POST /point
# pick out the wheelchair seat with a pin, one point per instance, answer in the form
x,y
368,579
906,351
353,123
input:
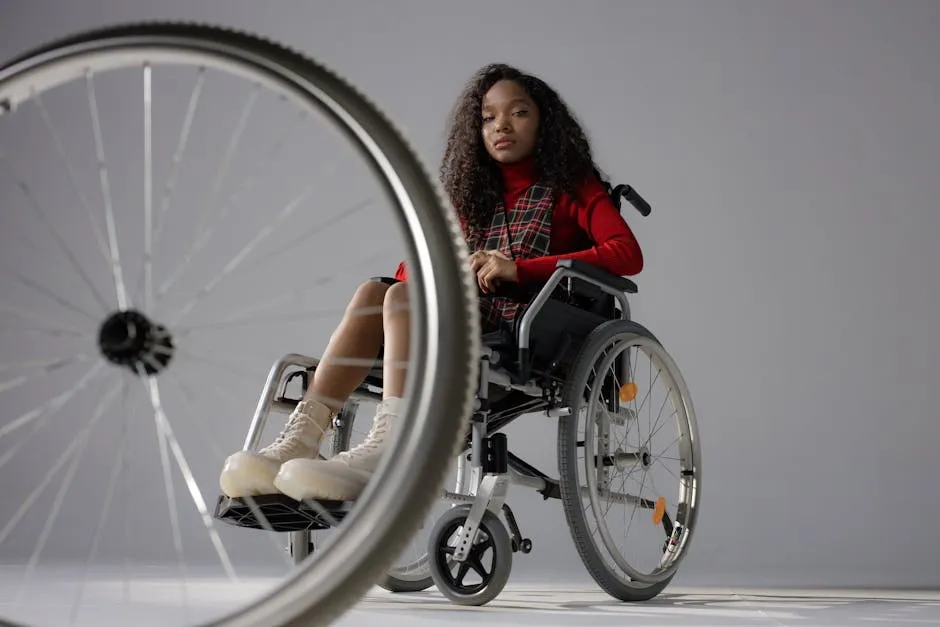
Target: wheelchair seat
x,y
561,323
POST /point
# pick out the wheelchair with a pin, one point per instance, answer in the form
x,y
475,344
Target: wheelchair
x,y
548,361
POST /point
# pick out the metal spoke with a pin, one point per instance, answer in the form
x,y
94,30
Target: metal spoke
x,y
52,405
47,223
243,253
46,368
165,430
76,456
116,268
78,442
60,148
203,230
19,278
148,188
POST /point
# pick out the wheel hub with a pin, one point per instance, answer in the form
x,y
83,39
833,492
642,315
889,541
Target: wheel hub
x,y
131,340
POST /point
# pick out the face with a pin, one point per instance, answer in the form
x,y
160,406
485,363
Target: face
x,y
510,122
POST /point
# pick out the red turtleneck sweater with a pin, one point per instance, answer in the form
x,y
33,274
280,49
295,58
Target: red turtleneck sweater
x,y
590,229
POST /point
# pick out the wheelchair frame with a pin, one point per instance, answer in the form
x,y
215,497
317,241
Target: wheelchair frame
x,y
528,389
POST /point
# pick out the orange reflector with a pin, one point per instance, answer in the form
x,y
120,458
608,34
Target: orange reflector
x,y
659,511
627,392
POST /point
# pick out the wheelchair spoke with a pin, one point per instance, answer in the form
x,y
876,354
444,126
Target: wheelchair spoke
x,y
202,231
170,493
47,223
304,237
76,457
60,148
186,396
633,514
250,314
117,269
148,188
462,570
49,363
659,428
78,443
228,367
239,257
281,317
49,325
67,304
321,511
170,185
165,432
41,370
48,408
117,470
246,183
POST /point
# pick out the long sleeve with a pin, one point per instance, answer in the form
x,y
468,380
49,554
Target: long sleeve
x,y
615,247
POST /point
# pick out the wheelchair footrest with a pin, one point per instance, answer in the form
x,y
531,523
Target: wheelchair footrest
x,y
280,512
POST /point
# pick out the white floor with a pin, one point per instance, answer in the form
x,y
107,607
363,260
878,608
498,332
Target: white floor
x,y
157,602
560,605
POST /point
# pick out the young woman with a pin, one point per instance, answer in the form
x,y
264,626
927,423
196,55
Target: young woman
x,y
519,170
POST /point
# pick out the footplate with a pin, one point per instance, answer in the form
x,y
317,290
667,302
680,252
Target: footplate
x,y
281,512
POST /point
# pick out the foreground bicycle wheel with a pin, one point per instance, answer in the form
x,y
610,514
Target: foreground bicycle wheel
x,y
71,321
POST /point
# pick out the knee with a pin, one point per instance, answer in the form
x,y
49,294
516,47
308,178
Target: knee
x,y
396,300
370,294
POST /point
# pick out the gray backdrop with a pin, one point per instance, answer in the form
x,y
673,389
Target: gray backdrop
x,y
790,152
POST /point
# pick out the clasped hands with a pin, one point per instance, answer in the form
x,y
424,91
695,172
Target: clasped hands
x,y
491,267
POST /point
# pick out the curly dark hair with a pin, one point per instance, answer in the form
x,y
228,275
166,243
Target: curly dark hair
x,y
472,178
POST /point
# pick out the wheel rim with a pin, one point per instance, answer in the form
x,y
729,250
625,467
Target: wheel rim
x,y
640,458
454,582
148,351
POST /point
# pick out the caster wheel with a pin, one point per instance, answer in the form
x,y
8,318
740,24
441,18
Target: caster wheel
x,y
483,575
526,546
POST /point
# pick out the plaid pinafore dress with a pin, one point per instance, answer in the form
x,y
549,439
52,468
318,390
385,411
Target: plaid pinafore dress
x,y
523,232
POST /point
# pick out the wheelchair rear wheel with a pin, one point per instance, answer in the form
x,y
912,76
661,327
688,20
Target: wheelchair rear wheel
x,y
109,340
607,455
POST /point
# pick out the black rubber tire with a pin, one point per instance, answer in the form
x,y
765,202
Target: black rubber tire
x,y
492,526
568,448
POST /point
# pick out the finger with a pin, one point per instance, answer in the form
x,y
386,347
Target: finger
x,y
487,277
480,282
477,260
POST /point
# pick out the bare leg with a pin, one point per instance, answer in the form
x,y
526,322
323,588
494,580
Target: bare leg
x,y
343,477
353,346
396,315
349,356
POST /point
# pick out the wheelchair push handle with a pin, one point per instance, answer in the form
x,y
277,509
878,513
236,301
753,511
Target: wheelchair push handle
x,y
624,191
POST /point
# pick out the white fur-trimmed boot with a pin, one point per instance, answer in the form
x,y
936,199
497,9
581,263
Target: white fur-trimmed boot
x,y
343,477
252,473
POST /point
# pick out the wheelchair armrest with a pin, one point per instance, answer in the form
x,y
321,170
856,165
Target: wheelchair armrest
x,y
599,275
